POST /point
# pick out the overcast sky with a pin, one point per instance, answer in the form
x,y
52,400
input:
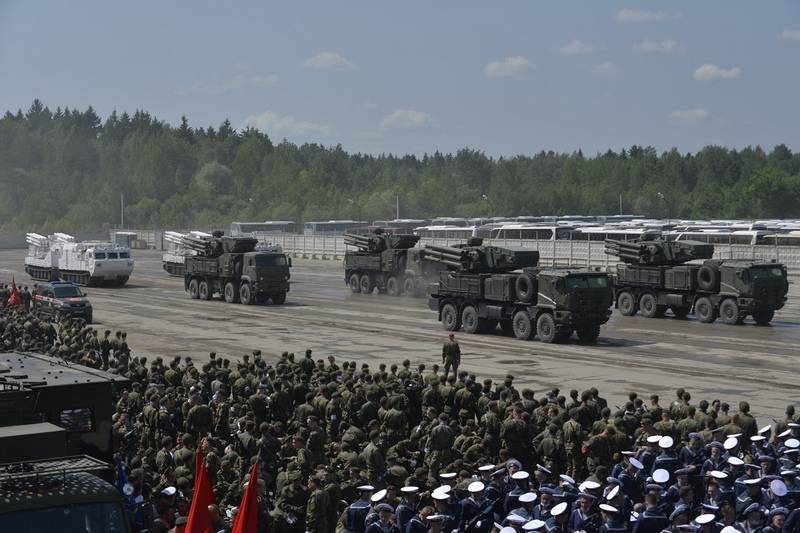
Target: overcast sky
x,y
507,77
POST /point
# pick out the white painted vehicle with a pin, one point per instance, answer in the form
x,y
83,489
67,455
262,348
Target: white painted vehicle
x,y
174,259
60,256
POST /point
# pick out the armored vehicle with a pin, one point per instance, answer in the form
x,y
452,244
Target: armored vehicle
x,y
487,285
174,259
237,269
59,256
388,262
60,299
656,275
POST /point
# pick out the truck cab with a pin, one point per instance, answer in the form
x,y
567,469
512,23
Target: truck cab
x,y
747,288
62,299
267,271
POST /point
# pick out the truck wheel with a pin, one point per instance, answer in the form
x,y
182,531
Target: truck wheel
x,y
680,312
355,283
523,328
763,318
507,327
367,285
279,298
627,304
704,310
204,291
648,305
409,286
588,334
708,278
392,286
230,293
729,311
245,295
194,292
546,328
450,319
470,320
525,287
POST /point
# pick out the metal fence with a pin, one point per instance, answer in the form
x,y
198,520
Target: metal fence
x,y
551,253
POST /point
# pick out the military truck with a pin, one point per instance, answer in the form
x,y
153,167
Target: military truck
x,y
388,262
656,275
237,269
487,285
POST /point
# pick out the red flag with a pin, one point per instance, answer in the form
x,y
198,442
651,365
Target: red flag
x,y
14,298
247,519
199,518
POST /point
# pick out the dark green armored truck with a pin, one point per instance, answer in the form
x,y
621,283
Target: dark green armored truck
x,y
487,286
656,275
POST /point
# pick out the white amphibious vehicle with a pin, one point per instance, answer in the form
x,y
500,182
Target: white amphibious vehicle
x,y
59,256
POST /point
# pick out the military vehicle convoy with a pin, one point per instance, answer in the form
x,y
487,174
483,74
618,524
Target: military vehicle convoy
x,y
174,259
487,285
388,262
59,256
655,275
237,269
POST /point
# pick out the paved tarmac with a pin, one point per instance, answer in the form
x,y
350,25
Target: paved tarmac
x,y
632,354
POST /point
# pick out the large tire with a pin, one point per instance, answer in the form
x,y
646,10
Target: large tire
x,y
409,286
763,318
525,287
204,291
648,306
626,304
355,283
680,312
469,320
546,328
393,286
708,278
522,325
367,284
729,311
279,298
194,291
589,333
246,294
704,310
451,321
230,293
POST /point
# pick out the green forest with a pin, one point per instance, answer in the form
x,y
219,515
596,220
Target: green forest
x,y
65,170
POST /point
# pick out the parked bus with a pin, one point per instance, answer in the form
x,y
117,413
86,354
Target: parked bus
x,y
333,227
445,232
262,228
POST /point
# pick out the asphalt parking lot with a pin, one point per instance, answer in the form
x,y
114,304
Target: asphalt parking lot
x,y
633,353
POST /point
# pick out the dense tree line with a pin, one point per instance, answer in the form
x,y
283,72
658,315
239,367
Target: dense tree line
x,y
66,169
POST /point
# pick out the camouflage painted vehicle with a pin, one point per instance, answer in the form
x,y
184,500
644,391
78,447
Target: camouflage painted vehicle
x,y
487,286
656,276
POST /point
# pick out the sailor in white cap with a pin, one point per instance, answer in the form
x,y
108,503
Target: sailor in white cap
x,y
407,506
474,508
358,510
632,479
559,516
442,505
667,460
521,485
612,522
584,517
376,500
526,502
648,456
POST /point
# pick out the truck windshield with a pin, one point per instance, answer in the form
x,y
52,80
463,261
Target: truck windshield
x,y
88,518
586,282
766,272
67,292
270,260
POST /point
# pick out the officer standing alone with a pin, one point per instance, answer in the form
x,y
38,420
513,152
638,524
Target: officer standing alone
x,y
451,355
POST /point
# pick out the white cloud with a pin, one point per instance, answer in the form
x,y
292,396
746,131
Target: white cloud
x,y
710,72
328,61
406,119
606,67
698,114
641,15
576,48
656,47
275,124
510,67
217,87
789,35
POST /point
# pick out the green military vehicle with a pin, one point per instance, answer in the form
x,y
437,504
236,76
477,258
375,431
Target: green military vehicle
x,y
656,275
237,268
389,263
487,286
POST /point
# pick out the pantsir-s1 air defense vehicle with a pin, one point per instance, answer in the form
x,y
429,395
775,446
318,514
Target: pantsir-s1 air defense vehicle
x,y
174,259
237,269
656,275
389,263
59,256
487,285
